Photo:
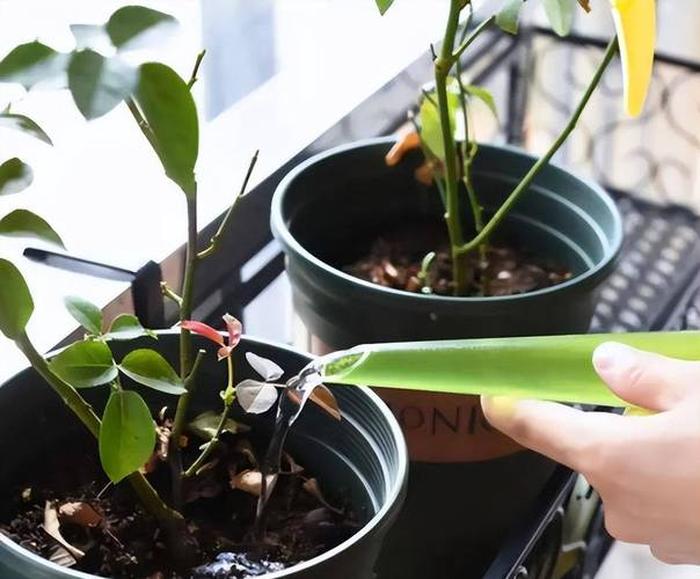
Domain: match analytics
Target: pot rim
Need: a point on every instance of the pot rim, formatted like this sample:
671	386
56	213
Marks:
292	245
394	494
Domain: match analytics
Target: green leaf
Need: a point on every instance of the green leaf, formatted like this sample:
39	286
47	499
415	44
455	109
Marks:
24	223
484	96
169	109
31	63
129	22
206	423
85	313
127	434
429	118
16	304
25	124
384	5
149	368
560	14
508	18
15	176
99	84
85	364
127	327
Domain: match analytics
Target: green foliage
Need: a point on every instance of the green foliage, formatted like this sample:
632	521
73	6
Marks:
85	313
24	223
99	84
149	368
127	327
127	434
205	425
429	118
130	22
484	96
31	63
384	5
560	14
169	109
24	124
85	364
16	304
508	18
15	176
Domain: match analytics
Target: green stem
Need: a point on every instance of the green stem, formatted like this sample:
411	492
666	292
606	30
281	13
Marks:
215	240
183	402
544	160
443	65
208	449
79	406
168	292
473	36
195	69
142	123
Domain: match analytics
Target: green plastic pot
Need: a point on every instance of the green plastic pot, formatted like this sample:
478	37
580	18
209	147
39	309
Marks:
465	491
364	453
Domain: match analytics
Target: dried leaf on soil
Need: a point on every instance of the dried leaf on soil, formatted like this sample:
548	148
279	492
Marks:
249	481
79	513
52	527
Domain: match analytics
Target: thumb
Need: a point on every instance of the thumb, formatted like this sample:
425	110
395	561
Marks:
644	379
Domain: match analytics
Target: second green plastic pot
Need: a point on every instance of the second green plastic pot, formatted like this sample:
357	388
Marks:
468	484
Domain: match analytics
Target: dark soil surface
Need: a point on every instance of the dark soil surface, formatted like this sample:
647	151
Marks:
395	259
105	533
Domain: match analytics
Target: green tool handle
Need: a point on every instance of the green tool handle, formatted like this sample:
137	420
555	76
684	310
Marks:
554	368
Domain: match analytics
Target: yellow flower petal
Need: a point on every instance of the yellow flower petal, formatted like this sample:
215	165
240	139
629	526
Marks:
635	22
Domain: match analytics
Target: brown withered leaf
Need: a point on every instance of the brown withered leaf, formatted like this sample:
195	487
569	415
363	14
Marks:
60	556
244	447
79	513
585	4
405	143
311	486
52	527
322	397
250	481
294	467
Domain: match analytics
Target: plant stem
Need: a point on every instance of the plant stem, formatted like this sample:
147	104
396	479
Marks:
201	459
79	406
214	242
195	69
544	160
185	349
443	65
168	292
473	36
142	123
188	285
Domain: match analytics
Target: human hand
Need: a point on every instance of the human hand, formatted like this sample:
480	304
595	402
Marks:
645	468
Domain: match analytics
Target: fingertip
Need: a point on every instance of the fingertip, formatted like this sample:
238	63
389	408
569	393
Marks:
499	408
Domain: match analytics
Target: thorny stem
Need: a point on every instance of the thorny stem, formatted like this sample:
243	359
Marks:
79	406
544	160
195	69
215	240
202	458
